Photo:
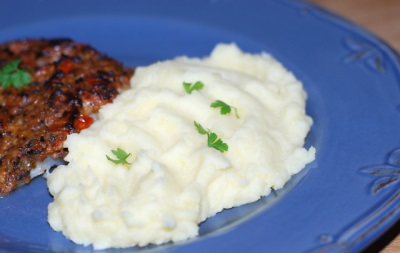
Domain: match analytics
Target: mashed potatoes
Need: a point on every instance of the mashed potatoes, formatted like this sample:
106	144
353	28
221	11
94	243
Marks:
174	180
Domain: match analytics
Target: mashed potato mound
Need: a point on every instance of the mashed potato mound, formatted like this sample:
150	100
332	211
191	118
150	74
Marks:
174	180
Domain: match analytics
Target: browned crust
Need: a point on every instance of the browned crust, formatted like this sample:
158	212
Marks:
70	81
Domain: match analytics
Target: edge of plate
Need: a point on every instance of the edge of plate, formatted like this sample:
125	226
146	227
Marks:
376	221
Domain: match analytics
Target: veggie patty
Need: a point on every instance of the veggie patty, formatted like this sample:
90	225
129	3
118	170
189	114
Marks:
69	82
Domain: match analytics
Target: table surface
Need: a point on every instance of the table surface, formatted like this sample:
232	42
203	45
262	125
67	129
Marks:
382	18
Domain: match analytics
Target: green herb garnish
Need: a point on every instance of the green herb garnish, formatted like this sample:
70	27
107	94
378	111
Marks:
225	108
10	74
190	87
121	156
212	138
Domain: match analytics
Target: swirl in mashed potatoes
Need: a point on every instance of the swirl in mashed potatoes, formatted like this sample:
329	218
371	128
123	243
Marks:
174	180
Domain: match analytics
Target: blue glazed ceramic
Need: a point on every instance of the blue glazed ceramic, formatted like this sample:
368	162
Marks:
340	203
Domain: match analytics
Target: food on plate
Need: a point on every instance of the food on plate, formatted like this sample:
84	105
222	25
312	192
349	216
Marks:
49	88
190	138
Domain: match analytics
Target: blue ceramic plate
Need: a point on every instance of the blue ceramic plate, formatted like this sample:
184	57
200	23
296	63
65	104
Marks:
342	202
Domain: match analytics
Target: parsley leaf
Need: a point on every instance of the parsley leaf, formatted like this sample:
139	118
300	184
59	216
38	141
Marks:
190	87
121	156
216	143
212	138
200	128
225	108
10	74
